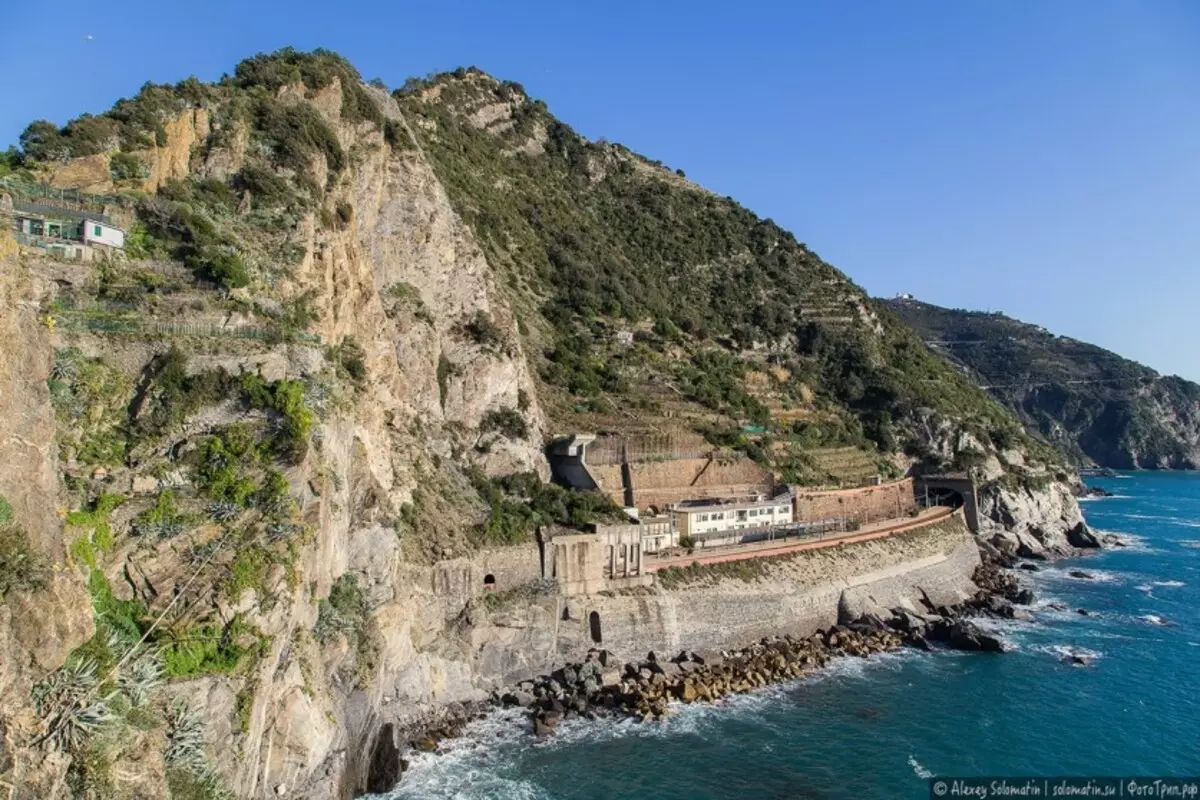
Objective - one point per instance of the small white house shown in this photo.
(96, 232)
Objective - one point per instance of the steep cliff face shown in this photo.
(290, 434)
(1098, 407)
(44, 610)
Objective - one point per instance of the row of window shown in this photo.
(754, 512)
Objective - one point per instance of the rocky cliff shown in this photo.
(257, 470)
(1098, 407)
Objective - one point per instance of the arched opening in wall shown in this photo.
(594, 624)
(944, 496)
(489, 582)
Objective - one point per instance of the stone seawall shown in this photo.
(729, 605)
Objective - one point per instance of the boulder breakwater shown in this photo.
(644, 689)
(602, 686)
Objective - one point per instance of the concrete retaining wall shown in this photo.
(866, 504)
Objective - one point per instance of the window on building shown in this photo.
(781, 510)
(754, 512)
(704, 518)
(36, 227)
(96, 230)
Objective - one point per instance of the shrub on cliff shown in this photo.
(20, 566)
(508, 422)
(346, 612)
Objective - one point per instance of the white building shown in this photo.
(64, 230)
(698, 517)
(97, 232)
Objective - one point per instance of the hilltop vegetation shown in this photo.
(595, 239)
(1099, 407)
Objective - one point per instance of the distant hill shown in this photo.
(1094, 404)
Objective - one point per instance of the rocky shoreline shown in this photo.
(601, 686)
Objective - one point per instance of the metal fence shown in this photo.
(52, 195)
(607, 450)
(96, 324)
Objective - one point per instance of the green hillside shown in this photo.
(1096, 405)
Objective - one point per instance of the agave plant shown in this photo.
(185, 739)
(64, 368)
(279, 531)
(199, 554)
(223, 511)
(68, 702)
(140, 678)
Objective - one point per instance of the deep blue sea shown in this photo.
(880, 728)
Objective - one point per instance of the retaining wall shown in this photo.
(865, 504)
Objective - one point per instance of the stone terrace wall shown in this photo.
(867, 504)
(797, 594)
(510, 566)
(659, 483)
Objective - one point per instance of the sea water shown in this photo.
(880, 728)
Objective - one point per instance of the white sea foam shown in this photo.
(1113, 496)
(1144, 587)
(1153, 619)
(1128, 541)
(1192, 543)
(1183, 522)
(1171, 584)
(919, 770)
(471, 765)
(1066, 651)
(1095, 575)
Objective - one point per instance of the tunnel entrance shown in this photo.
(944, 496)
(952, 491)
(489, 582)
(594, 624)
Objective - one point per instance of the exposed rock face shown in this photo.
(37, 628)
(1024, 521)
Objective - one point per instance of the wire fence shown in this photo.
(100, 324)
(64, 198)
(608, 450)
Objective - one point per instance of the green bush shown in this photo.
(350, 359)
(482, 330)
(203, 650)
(286, 398)
(346, 612)
(247, 571)
(508, 422)
(298, 132)
(127, 167)
(225, 268)
(267, 190)
(445, 369)
(97, 534)
(20, 566)
(521, 502)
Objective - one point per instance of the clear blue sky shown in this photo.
(1033, 156)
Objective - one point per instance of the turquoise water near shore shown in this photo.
(879, 728)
